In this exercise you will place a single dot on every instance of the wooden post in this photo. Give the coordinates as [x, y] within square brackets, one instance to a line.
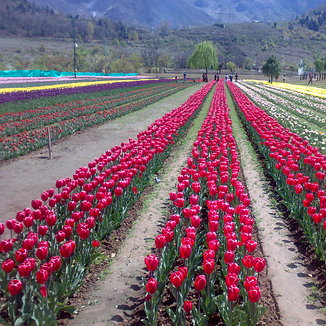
[49, 144]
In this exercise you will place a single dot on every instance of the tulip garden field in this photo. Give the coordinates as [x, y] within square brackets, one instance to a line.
[202, 260]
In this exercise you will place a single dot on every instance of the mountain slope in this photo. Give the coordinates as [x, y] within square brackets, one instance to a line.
[136, 12]
[184, 12]
[247, 10]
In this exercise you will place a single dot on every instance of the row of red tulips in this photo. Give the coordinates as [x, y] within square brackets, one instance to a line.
[298, 169]
[205, 251]
[56, 239]
[27, 141]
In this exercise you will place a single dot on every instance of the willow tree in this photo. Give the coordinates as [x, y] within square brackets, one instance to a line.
[204, 56]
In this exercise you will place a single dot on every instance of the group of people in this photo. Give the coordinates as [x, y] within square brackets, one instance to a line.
[230, 77]
[216, 77]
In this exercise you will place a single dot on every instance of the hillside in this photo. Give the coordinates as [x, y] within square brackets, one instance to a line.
[183, 12]
[34, 38]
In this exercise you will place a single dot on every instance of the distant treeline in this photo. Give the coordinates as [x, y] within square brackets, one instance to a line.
[315, 21]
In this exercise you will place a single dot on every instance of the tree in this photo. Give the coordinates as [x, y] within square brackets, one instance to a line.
[163, 62]
[319, 65]
[231, 66]
[136, 61]
[90, 30]
[122, 65]
[272, 68]
[204, 56]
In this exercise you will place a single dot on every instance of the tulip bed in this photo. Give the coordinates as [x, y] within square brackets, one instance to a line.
[65, 119]
[204, 257]
[112, 98]
[307, 90]
[313, 103]
[55, 240]
[298, 169]
[284, 112]
[12, 94]
[295, 105]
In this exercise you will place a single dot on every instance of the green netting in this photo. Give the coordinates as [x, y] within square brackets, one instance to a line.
[53, 73]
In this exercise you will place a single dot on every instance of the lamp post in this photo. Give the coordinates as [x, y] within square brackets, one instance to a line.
[73, 20]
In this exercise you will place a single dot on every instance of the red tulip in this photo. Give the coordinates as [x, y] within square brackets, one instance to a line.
[42, 253]
[251, 245]
[175, 218]
[232, 244]
[151, 262]
[173, 196]
[160, 241]
[56, 262]
[84, 233]
[43, 291]
[298, 189]
[17, 227]
[259, 264]
[249, 282]
[211, 236]
[71, 206]
[179, 202]
[42, 276]
[208, 265]
[67, 249]
[195, 221]
[248, 261]
[213, 226]
[228, 257]
[25, 269]
[209, 254]
[184, 271]
[200, 282]
[233, 268]
[233, 293]
[42, 230]
[85, 206]
[193, 200]
[187, 306]
[60, 236]
[185, 251]
[8, 265]
[2, 228]
[151, 285]
[15, 287]
[254, 294]
[195, 186]
[10, 223]
[176, 279]
[20, 255]
[231, 279]
[96, 243]
[28, 221]
[214, 245]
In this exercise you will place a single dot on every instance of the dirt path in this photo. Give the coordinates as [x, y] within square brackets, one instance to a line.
[289, 277]
[23, 179]
[111, 302]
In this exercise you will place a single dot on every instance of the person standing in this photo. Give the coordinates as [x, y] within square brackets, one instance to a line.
[310, 78]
